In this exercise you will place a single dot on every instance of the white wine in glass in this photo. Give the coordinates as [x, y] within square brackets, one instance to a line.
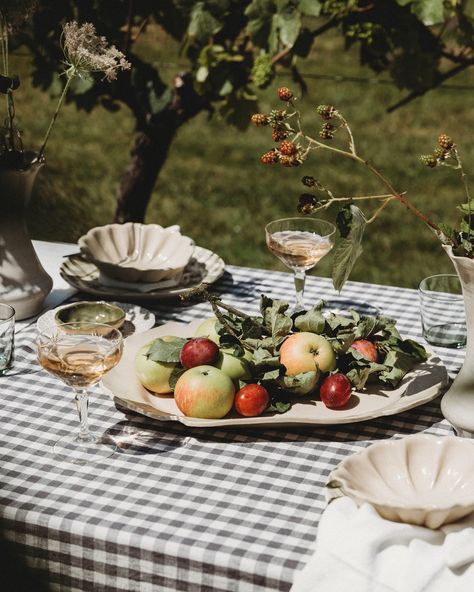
[80, 354]
[300, 243]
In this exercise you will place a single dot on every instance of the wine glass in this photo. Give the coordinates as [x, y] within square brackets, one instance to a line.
[80, 354]
[300, 243]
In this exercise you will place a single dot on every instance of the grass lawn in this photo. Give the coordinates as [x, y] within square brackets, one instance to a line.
[214, 186]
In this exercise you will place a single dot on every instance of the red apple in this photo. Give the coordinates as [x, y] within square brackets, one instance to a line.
[198, 352]
[204, 391]
[335, 391]
[251, 400]
[366, 349]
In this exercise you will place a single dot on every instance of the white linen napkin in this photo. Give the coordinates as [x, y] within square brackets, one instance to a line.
[358, 551]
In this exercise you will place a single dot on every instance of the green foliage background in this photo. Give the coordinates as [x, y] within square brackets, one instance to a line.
[214, 186]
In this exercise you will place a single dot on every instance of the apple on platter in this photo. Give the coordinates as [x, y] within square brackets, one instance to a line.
[335, 391]
[251, 400]
[208, 329]
[204, 392]
[154, 376]
[366, 349]
[198, 351]
[236, 367]
[304, 351]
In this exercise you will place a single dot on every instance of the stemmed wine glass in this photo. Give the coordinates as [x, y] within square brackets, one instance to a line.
[80, 354]
[300, 243]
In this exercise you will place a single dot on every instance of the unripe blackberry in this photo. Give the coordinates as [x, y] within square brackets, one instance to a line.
[329, 127]
[326, 111]
[308, 181]
[441, 153]
[289, 161]
[306, 203]
[326, 134]
[445, 142]
[277, 116]
[269, 157]
[288, 148]
[429, 160]
[259, 119]
[279, 134]
[284, 93]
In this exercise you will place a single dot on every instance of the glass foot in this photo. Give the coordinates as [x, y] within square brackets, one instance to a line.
[83, 451]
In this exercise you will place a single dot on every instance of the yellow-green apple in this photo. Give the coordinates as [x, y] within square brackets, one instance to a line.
[236, 368]
[305, 351]
[154, 375]
[208, 329]
[205, 392]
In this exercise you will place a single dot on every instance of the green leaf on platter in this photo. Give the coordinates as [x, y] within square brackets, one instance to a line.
[251, 329]
[351, 224]
[166, 351]
[365, 327]
[175, 374]
[415, 350]
[398, 364]
[358, 377]
[312, 321]
[279, 407]
[299, 382]
[275, 319]
[272, 374]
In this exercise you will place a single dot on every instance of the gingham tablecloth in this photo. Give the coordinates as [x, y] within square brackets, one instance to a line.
[187, 509]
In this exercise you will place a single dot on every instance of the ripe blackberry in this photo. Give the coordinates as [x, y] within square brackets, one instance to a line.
[284, 93]
[445, 142]
[429, 160]
[259, 119]
[269, 157]
[288, 148]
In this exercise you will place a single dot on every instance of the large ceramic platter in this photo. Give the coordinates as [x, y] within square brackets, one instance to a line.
[205, 266]
[419, 386]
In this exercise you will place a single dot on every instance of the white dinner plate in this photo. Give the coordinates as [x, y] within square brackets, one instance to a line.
[419, 386]
[205, 266]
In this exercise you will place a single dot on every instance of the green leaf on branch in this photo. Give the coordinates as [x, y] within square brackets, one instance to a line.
[467, 208]
[351, 224]
[166, 351]
[310, 7]
[202, 24]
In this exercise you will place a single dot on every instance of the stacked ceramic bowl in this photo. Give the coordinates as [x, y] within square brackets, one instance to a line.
[138, 253]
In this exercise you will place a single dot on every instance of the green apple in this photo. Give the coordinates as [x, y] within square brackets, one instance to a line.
[236, 368]
[205, 392]
[305, 351]
[154, 376]
[208, 329]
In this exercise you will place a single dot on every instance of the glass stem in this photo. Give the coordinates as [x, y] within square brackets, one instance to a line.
[82, 403]
[299, 277]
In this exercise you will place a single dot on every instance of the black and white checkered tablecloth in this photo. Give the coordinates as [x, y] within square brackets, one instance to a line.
[188, 509]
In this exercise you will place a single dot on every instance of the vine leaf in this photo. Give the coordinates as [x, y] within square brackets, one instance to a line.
[351, 224]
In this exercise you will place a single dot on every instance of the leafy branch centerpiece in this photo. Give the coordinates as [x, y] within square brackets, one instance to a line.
[23, 282]
[294, 147]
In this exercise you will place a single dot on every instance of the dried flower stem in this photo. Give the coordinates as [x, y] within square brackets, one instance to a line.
[70, 76]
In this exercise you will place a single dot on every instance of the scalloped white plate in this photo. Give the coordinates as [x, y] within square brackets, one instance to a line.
[205, 266]
[419, 386]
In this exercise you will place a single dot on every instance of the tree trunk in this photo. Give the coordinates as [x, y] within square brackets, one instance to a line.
[151, 148]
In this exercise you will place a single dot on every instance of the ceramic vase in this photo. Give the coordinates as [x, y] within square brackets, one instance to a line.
[457, 404]
[24, 284]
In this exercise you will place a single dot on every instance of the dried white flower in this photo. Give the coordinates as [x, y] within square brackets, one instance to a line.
[85, 51]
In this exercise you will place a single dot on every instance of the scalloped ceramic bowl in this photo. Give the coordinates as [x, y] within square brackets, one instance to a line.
[421, 479]
[134, 252]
